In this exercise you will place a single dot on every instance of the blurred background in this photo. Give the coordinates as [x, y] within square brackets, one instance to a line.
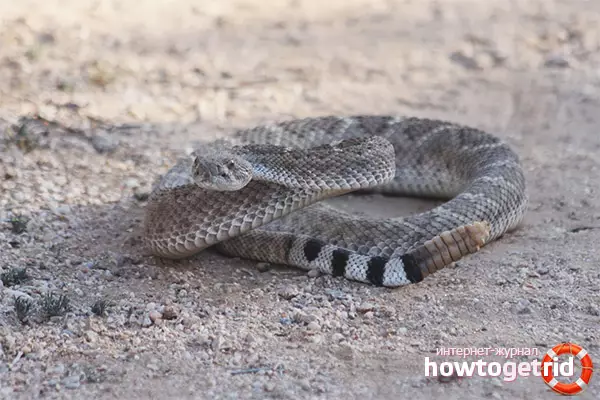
[243, 60]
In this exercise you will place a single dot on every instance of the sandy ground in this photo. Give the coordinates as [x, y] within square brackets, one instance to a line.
[180, 72]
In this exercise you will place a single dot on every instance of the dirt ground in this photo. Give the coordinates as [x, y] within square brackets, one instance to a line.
[173, 74]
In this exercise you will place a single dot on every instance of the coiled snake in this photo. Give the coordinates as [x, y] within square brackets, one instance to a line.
[253, 197]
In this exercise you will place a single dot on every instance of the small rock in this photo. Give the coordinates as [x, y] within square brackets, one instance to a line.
[141, 194]
[16, 293]
[314, 273]
[304, 384]
[593, 310]
[154, 315]
[337, 337]
[62, 210]
[523, 306]
[542, 270]
[250, 339]
[313, 326]
[288, 292]
[132, 183]
[447, 379]
[336, 294]
[104, 143]
[556, 61]
[369, 314]
[91, 336]
[217, 343]
[263, 267]
[496, 382]
[575, 268]
[464, 61]
[252, 359]
[72, 382]
[402, 330]
[152, 366]
[170, 312]
[417, 383]
[365, 307]
[305, 318]
[269, 386]
[533, 274]
[59, 369]
[146, 321]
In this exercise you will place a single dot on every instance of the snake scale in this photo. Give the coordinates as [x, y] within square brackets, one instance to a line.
[257, 196]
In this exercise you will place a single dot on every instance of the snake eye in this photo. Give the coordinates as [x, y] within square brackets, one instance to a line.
[230, 164]
[224, 175]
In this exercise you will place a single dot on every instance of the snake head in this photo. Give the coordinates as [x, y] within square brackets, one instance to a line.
[221, 172]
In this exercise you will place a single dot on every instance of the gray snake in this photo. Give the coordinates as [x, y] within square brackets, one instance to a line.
[254, 196]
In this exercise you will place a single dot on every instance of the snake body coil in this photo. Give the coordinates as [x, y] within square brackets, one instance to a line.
[297, 163]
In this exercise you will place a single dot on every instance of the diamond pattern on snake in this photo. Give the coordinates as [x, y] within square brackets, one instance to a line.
[258, 196]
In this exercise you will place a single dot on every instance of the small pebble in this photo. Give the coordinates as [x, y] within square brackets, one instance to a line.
[269, 386]
[556, 61]
[288, 292]
[59, 369]
[336, 294]
[304, 384]
[542, 270]
[337, 337]
[252, 359]
[262, 267]
[152, 367]
[154, 315]
[104, 143]
[72, 382]
[146, 321]
[313, 326]
[141, 194]
[523, 306]
[170, 312]
[464, 61]
[365, 307]
[593, 310]
[305, 318]
[91, 336]
[314, 273]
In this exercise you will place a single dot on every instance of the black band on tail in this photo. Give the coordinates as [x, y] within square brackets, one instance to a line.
[312, 248]
[376, 269]
[339, 261]
[411, 268]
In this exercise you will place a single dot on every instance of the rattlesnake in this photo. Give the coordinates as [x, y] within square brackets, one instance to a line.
[238, 196]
